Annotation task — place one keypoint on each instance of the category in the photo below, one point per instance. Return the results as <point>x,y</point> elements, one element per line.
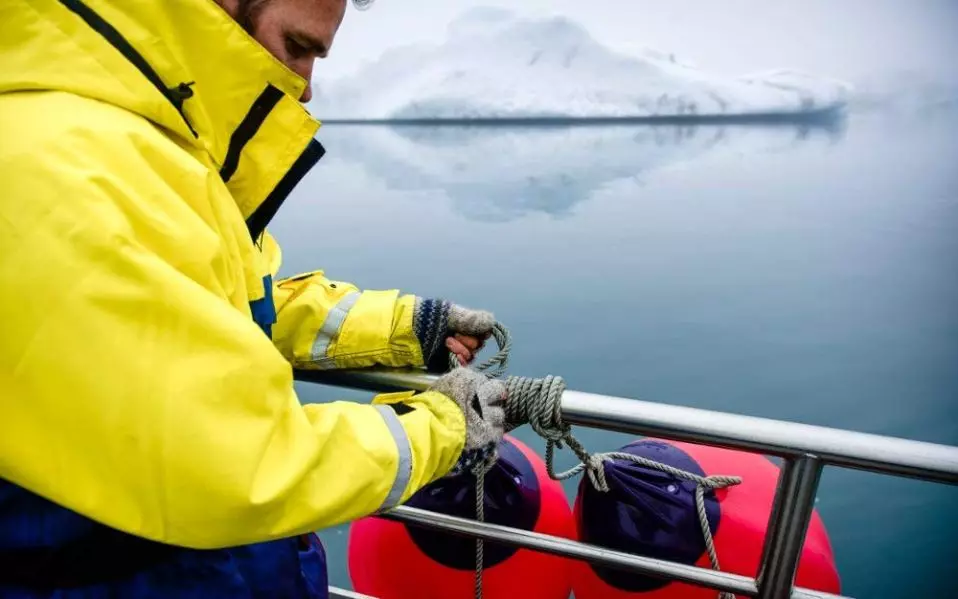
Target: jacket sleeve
<point>134,387</point>
<point>325,324</point>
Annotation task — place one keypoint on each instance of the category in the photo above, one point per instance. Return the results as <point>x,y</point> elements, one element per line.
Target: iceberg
<point>495,64</point>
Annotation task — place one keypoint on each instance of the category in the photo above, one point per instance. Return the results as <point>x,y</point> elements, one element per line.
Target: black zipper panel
<point>176,94</point>
<point>248,128</point>
<point>261,216</point>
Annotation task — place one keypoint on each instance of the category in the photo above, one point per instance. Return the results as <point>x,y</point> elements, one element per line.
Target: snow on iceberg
<point>495,64</point>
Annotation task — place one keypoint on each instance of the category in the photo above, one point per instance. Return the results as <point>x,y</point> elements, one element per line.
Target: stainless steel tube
<point>733,583</point>
<point>788,526</point>
<point>567,548</point>
<point>370,379</point>
<point>850,449</point>
<point>876,453</point>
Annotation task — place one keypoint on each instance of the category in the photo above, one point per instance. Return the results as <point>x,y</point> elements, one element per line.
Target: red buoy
<point>650,513</point>
<point>392,560</point>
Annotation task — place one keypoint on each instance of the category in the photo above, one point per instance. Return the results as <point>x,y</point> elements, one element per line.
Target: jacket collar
<point>186,66</point>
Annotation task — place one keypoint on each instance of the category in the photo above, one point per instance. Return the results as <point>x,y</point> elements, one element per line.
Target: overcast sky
<point>849,39</point>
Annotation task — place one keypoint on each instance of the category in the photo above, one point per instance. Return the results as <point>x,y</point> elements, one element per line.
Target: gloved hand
<point>481,400</point>
<point>442,325</point>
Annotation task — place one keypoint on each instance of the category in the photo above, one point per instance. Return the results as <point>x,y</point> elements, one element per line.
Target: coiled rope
<point>538,403</point>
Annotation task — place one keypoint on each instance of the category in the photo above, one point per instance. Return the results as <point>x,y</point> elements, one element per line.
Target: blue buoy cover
<point>512,498</point>
<point>645,512</point>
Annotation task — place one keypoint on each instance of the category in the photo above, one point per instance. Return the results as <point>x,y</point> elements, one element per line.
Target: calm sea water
<point>800,273</point>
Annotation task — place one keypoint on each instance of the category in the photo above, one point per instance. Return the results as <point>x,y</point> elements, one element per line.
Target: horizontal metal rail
<point>837,447</point>
<point>627,562</point>
<point>535,541</point>
<point>806,450</point>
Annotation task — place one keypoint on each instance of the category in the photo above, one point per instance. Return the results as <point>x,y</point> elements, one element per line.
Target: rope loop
<point>495,366</point>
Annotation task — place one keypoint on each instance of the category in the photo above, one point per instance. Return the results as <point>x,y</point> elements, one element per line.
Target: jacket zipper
<point>176,94</point>
<point>256,223</point>
<point>250,124</point>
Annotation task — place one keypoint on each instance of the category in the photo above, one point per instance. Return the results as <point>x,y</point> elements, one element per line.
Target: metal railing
<point>805,449</point>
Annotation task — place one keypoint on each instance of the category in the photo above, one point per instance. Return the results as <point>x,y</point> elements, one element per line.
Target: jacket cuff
<point>431,324</point>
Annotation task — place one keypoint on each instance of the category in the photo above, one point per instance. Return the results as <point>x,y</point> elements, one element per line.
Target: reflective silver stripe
<point>334,321</point>
<point>404,471</point>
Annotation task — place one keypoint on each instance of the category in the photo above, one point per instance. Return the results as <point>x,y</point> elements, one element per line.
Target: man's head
<point>297,32</point>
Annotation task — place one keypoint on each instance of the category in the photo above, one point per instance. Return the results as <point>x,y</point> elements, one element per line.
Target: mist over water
<point>804,273</point>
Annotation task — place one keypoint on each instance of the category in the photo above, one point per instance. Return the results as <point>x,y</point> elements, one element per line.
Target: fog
<point>855,40</point>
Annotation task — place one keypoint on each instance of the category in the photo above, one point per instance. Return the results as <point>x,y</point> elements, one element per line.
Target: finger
<point>461,351</point>
<point>472,322</point>
<point>482,336</point>
<point>469,341</point>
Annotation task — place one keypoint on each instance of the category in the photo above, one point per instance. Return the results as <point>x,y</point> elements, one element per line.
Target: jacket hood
<point>186,66</point>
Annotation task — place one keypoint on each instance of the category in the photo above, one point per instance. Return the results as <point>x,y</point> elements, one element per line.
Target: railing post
<point>788,525</point>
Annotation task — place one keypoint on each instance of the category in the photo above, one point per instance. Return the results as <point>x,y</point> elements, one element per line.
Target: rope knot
<point>595,466</point>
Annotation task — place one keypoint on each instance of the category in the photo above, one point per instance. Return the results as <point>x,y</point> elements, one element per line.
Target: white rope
<point>480,473</point>
<point>538,402</point>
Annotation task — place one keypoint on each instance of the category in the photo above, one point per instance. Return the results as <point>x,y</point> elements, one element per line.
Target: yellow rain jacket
<point>144,146</point>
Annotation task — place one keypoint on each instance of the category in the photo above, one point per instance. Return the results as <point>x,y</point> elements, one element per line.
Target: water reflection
<point>501,173</point>
<point>755,270</point>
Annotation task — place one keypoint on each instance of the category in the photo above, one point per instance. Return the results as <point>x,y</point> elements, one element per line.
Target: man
<point>151,443</point>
